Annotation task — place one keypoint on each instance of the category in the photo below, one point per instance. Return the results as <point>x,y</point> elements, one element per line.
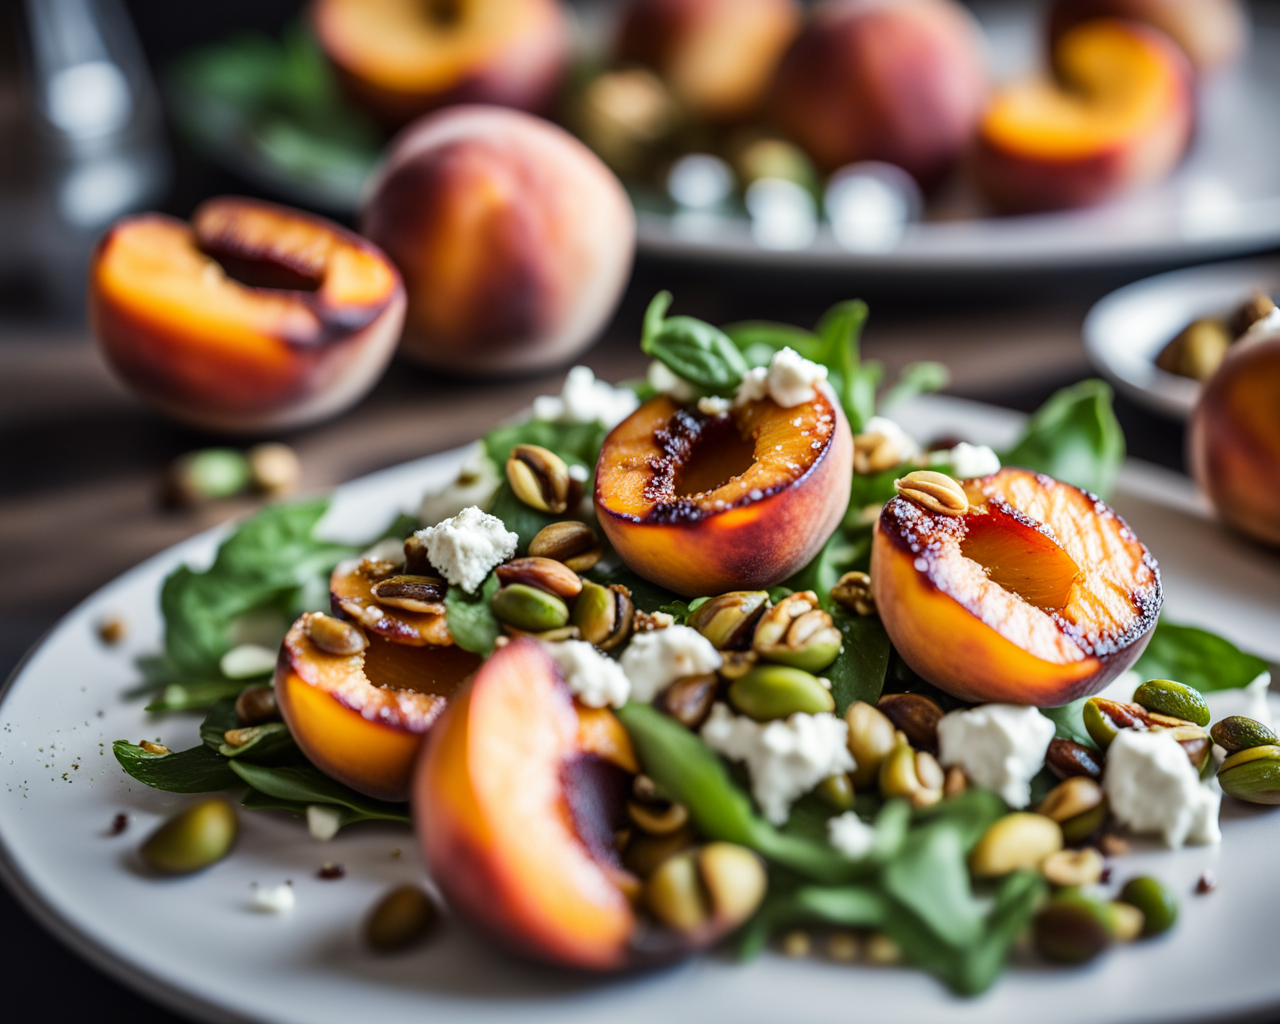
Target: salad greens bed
<point>913,883</point>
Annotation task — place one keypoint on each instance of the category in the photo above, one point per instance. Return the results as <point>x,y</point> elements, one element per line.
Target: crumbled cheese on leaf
<point>323,822</point>
<point>790,380</point>
<point>1152,787</point>
<point>594,678</point>
<point>586,400</point>
<point>966,461</point>
<point>904,445</point>
<point>655,660</point>
<point>1000,747</point>
<point>851,835</point>
<point>466,548</point>
<point>665,381</point>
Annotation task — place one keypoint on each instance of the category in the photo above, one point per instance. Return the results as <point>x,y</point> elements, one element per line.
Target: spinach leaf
<point>1074,437</point>
<point>470,619</point>
<point>576,443</point>
<point>929,876</point>
<point>197,770</point>
<point>304,784</point>
<point>855,381</point>
<point>1070,722</point>
<point>1198,658</point>
<point>760,339</point>
<point>849,906</point>
<point>859,670</point>
<point>270,743</point>
<point>692,349</point>
<point>915,379</point>
<point>220,717</point>
<point>196,695</point>
<point>519,518</point>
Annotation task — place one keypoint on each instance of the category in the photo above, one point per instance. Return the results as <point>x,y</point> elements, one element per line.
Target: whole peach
<point>1234,442</point>
<point>1210,32</point>
<point>901,81</point>
<point>514,239</point>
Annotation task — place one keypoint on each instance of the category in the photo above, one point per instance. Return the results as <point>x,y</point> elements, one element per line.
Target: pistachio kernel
<point>256,705</point>
<point>798,633</point>
<point>333,636</point>
<point>401,920</point>
<point>729,620</point>
<point>1197,350</point>
<point>1258,306</point>
<point>422,594</point>
<point>937,492</point>
<point>1239,733</point>
<point>154,748</point>
<point>914,714</point>
<point>871,738</point>
<point>1158,904</point>
<point>1127,922</point>
<point>1072,928</point>
<point>1068,759</point>
<point>1072,797</point>
<point>1020,841</point>
<point>544,573</point>
<point>1065,868</point>
<point>1252,774</point>
<point>528,608</point>
<point>1174,699</point>
<point>541,480</point>
<point>770,692</point>
<point>837,791</point>
<point>689,700</point>
<point>573,543</point>
<point>911,774</point>
<point>853,593</point>
<point>194,838</point>
<point>658,819</point>
<point>603,614</point>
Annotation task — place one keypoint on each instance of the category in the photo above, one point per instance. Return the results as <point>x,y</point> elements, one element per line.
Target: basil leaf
<point>518,517</point>
<point>196,695</point>
<point>221,717</point>
<point>839,332</point>
<point>758,340</point>
<point>655,316</point>
<point>305,784</point>
<point>1197,658</point>
<point>691,348</point>
<point>859,670</point>
<point>915,379</point>
<point>929,875</point>
<point>470,619</point>
<point>196,770</point>
<point>1074,437</point>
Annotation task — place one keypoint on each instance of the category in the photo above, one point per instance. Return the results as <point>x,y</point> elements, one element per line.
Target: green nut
<point>529,608</point>
<point>603,615</point>
<point>1072,928</point>
<point>729,620</point>
<point>1101,726</point>
<point>401,920</point>
<point>797,632</point>
<point>1166,697</point>
<point>837,791</point>
<point>1084,824</point>
<point>1252,775</point>
<point>1159,906</point>
<point>192,839</point>
<point>208,474</point>
<point>767,692</point>
<point>1240,733</point>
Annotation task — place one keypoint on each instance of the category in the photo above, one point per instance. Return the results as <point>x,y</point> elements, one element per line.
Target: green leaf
<point>257,801</point>
<point>872,489</point>
<point>692,349</point>
<point>646,596</point>
<point>859,670</point>
<point>915,379</point>
<point>836,558</point>
<point>576,443</point>
<point>196,695</point>
<point>1069,720</point>
<point>305,784</point>
<point>758,340</point>
<point>839,332</point>
<point>655,316</point>
<point>929,876</point>
<point>271,742</point>
<point>1074,437</point>
<point>221,717</point>
<point>470,619</point>
<point>848,906</point>
<point>519,518</point>
<point>1197,658</point>
<point>197,770</point>
<point>970,814</point>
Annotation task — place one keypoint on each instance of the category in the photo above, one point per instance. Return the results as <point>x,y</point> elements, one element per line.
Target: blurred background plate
<point>1125,332</point>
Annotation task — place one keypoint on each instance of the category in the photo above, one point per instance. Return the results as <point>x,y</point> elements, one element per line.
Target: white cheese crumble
<point>1000,747</point>
<point>594,678</point>
<point>966,461</point>
<point>789,379</point>
<point>656,659</point>
<point>1249,701</point>
<point>1152,787</point>
<point>467,547</point>
<point>273,899</point>
<point>583,399</point>
<point>476,484</point>
<point>850,835</point>
<point>247,661</point>
<point>323,822</point>
<point>665,381</point>
<point>785,759</point>
<point>713,405</point>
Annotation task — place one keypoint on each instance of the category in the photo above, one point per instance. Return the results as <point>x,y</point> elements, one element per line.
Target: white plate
<point>194,944</point>
<point>1125,331</point>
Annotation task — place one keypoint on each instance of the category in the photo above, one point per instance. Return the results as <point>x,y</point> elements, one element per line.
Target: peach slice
<point>253,317</point>
<point>402,58</point>
<point>1118,115</point>
<point>1039,594</point>
<point>1210,32</point>
<point>351,597</point>
<point>360,718</point>
<point>739,501</point>
<point>500,825</point>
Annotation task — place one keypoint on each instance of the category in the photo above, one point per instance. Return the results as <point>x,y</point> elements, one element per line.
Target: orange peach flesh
<point>351,596</point>
<point>958,627</point>
<point>211,350</point>
<point>495,823</point>
<point>360,718</point>
<point>703,505</point>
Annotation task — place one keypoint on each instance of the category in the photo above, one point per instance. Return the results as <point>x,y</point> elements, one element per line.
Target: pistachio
<point>378,568</point>
<point>541,479</point>
<point>689,700</point>
<point>844,947</point>
<point>1159,906</point>
<point>239,737</point>
<point>275,468</point>
<point>853,592</point>
<point>1017,842</point>
<point>729,620</point>
<point>1252,774</point>
<point>573,543</point>
<point>548,636</point>
<point>883,951</point>
<point>112,629</point>
<point>1085,824</point>
<point>1070,798</point>
<point>1177,700</point>
<point>1072,928</point>
<point>914,775</point>
<point>798,633</point>
<point>935,491</point>
<point>529,608</point>
<point>1105,718</point>
<point>401,919</point>
<point>544,573</point>
<point>735,878</point>
<point>1240,733</point>
<point>737,664</point>
<point>871,738</point>
<point>645,852</point>
<point>837,791</point>
<point>916,715</point>
<point>876,452</point>
<point>767,692</point>
<point>1068,759</point>
<point>423,594</point>
<point>956,782</point>
<point>333,636</point>
<point>658,819</point>
<point>722,883</point>
<point>206,475</point>
<point>1258,306</point>
<point>256,705</point>
<point>603,615</point>
<point>796,944</point>
<point>416,560</point>
<point>192,839</point>
<point>1072,867</point>
<point>1197,350</point>
<point>1127,921</point>
<point>155,748</point>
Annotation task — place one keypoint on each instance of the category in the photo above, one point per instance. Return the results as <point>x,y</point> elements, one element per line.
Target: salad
<point>726,656</point>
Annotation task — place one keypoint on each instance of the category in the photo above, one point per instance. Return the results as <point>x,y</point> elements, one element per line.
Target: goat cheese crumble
<point>666,382</point>
<point>247,661</point>
<point>966,461</point>
<point>713,405</point>
<point>785,759</point>
<point>904,444</point>
<point>655,660</point>
<point>1152,787</point>
<point>584,399</point>
<point>999,746</point>
<point>322,822</point>
<point>789,379</point>
<point>1249,701</point>
<point>273,899</point>
<point>850,835</point>
<point>594,678</point>
<point>466,548</point>
<point>476,484</point>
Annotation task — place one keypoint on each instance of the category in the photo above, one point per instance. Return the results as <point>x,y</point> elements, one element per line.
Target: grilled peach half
<point>1039,594</point>
<point>417,619</point>
<point>252,317</point>
<point>740,500</point>
<point>360,718</point>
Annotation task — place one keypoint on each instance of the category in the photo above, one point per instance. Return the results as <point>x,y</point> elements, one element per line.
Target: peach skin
<point>1039,594</point>
<point>739,501</point>
<point>360,718</point>
<point>254,317</point>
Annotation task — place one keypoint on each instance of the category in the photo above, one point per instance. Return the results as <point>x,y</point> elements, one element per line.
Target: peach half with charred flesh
<point>1037,593</point>
<point>358,706</point>
<point>739,500</point>
<point>252,317</point>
